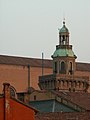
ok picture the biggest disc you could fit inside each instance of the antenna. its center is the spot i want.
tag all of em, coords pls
(28, 78)
(42, 63)
(64, 17)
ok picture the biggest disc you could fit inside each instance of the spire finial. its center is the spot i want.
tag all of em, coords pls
(63, 21)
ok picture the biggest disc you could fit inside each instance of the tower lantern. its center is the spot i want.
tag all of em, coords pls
(64, 35)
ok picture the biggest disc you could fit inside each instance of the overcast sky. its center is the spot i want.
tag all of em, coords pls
(30, 27)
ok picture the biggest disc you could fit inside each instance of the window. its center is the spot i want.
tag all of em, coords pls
(34, 97)
(71, 71)
(73, 89)
(12, 91)
(63, 37)
(20, 96)
(70, 89)
(55, 67)
(62, 67)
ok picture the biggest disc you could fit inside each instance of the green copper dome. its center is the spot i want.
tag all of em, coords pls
(63, 29)
(63, 53)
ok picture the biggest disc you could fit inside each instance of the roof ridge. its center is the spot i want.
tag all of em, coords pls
(24, 57)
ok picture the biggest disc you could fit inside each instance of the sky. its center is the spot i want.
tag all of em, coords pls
(30, 27)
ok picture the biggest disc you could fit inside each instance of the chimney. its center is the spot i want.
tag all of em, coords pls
(7, 108)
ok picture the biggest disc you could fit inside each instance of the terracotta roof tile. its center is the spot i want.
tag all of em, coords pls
(63, 116)
(82, 99)
(24, 61)
(79, 98)
(83, 66)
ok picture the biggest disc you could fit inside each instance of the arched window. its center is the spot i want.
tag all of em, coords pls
(62, 67)
(71, 65)
(71, 69)
(12, 91)
(63, 37)
(67, 40)
(55, 67)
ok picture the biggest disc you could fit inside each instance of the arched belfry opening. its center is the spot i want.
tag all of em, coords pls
(62, 67)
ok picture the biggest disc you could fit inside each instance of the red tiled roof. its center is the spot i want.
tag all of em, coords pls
(25, 61)
(35, 62)
(63, 116)
(79, 98)
(83, 66)
(82, 99)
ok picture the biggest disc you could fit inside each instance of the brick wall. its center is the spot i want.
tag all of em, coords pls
(84, 73)
(21, 112)
(17, 76)
(1, 108)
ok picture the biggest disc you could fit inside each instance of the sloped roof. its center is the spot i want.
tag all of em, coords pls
(20, 102)
(79, 98)
(35, 62)
(63, 52)
(82, 99)
(51, 105)
(82, 66)
(63, 116)
(64, 29)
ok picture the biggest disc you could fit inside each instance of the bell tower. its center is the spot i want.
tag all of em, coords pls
(64, 68)
(64, 57)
